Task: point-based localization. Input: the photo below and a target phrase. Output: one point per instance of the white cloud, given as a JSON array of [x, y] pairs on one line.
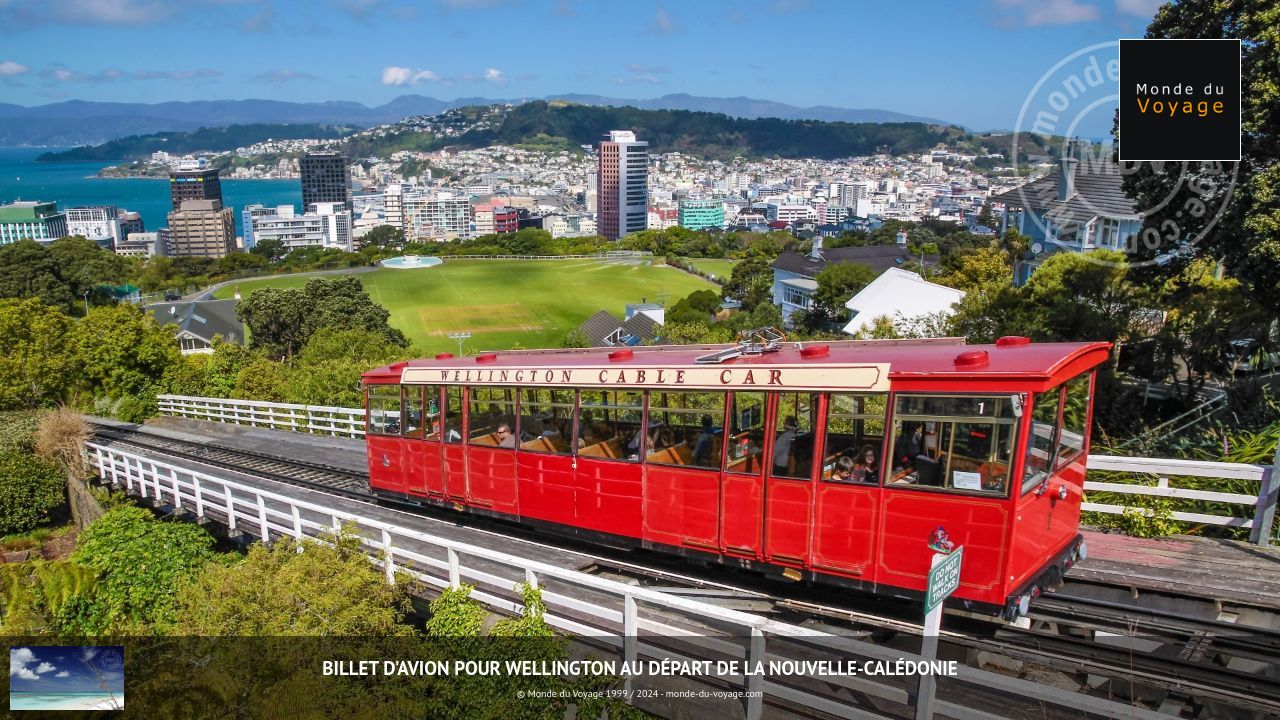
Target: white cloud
[[19, 659], [662, 22], [394, 75], [88, 653], [1140, 8], [9, 68], [1051, 12], [653, 70], [64, 673], [495, 75], [44, 667], [276, 77]]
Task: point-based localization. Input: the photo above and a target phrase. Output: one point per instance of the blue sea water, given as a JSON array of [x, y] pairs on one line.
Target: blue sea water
[[71, 184], [64, 701]]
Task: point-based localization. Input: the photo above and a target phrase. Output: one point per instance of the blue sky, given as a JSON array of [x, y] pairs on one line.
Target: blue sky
[[65, 669], [971, 61]]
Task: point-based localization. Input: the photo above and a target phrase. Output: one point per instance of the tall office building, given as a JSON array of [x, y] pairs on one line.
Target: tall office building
[[202, 228], [623, 185], [325, 179], [194, 184], [99, 223]]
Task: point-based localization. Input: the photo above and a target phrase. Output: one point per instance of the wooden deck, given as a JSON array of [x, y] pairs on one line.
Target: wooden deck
[[1194, 567]]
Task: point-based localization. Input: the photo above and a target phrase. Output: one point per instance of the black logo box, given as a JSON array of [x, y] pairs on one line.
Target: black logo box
[[1186, 69]]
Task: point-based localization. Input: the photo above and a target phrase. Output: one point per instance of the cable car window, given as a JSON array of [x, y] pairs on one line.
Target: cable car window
[[958, 443], [492, 417], [431, 409], [546, 421], [1075, 413], [412, 412], [793, 440], [609, 425], [746, 433], [384, 409], [453, 414], [1043, 440], [855, 434], [686, 428]]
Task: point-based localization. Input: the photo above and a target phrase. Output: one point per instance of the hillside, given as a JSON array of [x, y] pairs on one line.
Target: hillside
[[218, 139], [79, 122], [707, 135]]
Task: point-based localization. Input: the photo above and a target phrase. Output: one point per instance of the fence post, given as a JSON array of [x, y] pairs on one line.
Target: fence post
[[455, 572], [755, 681], [391, 563], [630, 637], [231, 507], [262, 519], [1265, 516]]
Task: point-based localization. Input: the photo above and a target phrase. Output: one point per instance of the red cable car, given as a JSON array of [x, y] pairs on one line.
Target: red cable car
[[848, 463]]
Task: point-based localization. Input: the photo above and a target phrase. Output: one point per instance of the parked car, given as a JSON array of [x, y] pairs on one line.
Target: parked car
[[1251, 356]]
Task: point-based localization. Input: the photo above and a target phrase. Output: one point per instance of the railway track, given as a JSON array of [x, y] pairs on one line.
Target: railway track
[[1190, 658]]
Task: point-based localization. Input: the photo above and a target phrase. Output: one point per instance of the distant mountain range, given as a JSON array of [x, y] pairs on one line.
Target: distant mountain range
[[80, 122]]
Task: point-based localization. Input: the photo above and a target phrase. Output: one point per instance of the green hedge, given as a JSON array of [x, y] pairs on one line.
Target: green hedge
[[30, 489]]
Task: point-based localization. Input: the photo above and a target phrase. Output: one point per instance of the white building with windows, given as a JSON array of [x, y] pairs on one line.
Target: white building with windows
[[99, 223], [145, 244], [328, 225], [436, 217]]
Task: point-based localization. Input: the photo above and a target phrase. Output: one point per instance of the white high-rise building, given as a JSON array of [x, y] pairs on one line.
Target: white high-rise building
[[436, 217], [98, 223], [623, 186], [327, 225]]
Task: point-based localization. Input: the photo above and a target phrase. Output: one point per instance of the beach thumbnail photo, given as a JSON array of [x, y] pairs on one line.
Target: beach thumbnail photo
[[66, 677]]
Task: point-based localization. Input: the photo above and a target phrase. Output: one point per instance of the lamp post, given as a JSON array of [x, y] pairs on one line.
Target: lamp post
[[460, 336]]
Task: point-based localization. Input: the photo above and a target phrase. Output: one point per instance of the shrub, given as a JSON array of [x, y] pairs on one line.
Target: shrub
[[30, 490], [135, 409], [17, 430], [60, 436], [141, 565]]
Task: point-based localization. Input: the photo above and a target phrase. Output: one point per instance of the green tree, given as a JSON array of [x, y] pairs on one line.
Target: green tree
[[1083, 296], [1246, 235], [987, 217], [262, 379], [837, 282], [987, 266], [750, 283], [575, 338], [30, 489], [30, 270], [142, 564], [282, 321], [273, 250], [124, 351], [327, 589], [383, 236], [223, 367], [85, 265], [37, 358]]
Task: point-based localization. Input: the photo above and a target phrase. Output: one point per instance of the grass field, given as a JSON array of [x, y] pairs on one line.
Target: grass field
[[504, 302], [711, 266]]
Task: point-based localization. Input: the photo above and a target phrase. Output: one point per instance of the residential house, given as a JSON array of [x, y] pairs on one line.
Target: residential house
[[605, 330], [1078, 208], [199, 322], [901, 295], [795, 275]]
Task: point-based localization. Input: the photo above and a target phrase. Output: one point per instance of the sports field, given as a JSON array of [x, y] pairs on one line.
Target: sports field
[[713, 266], [504, 302]]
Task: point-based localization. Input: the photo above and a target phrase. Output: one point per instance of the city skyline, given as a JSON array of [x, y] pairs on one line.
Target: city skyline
[[902, 58]]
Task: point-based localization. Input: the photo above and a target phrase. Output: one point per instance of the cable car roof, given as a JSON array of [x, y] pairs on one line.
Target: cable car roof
[[824, 365]]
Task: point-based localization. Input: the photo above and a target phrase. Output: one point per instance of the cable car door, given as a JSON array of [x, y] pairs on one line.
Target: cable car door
[[789, 476], [454, 453], [847, 494]]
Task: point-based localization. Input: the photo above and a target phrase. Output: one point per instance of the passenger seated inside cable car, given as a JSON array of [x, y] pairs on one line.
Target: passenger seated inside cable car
[[686, 434], [609, 425], [746, 432], [955, 443], [855, 430]]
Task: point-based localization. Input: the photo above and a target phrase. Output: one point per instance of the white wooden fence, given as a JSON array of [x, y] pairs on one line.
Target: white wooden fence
[[631, 619], [315, 419], [1161, 470], [350, 422]]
